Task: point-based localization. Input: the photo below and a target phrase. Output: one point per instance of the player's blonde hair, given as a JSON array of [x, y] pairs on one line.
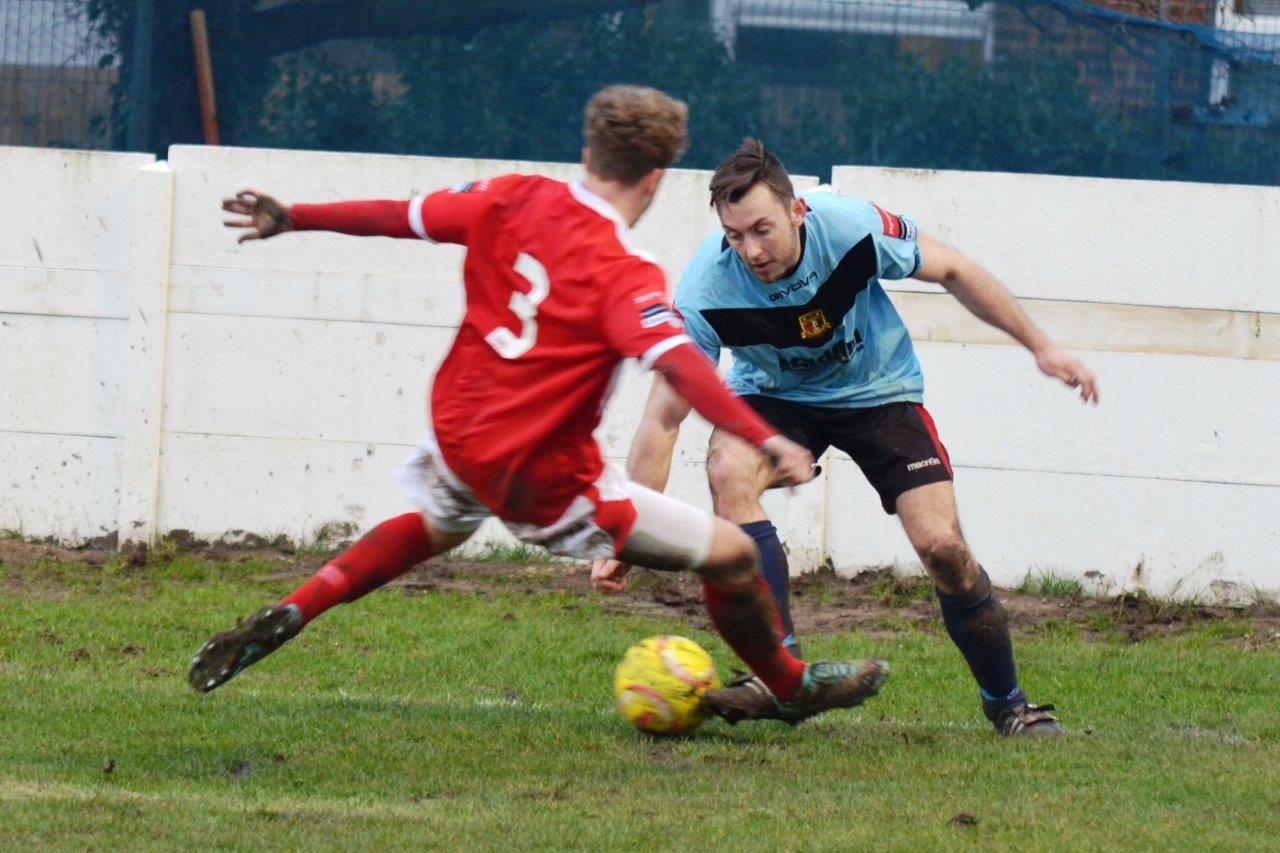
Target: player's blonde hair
[[751, 164], [632, 130]]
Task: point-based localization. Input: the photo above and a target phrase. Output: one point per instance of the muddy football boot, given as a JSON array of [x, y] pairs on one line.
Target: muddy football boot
[[1024, 720], [744, 698], [253, 638], [825, 686]]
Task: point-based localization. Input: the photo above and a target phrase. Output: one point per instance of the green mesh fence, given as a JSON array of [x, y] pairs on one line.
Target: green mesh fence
[[1165, 89]]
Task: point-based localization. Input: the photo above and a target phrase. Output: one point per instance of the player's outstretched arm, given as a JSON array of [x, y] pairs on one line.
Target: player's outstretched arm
[[649, 462], [988, 300], [440, 217]]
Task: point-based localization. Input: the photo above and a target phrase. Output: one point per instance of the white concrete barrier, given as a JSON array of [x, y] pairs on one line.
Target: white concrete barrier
[[1096, 239], [67, 255], [156, 376]]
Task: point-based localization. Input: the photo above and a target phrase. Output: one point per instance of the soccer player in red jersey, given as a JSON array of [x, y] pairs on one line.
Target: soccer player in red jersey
[[556, 298]]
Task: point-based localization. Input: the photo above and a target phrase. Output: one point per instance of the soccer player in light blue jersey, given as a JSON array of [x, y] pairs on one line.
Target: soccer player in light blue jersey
[[792, 288]]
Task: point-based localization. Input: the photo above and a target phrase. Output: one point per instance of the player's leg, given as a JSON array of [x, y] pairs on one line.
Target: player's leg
[[383, 554], [449, 515], [898, 448], [742, 607], [380, 556], [738, 475], [974, 617], [670, 535]]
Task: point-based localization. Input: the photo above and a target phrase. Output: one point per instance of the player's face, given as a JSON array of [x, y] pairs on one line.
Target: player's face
[[764, 231]]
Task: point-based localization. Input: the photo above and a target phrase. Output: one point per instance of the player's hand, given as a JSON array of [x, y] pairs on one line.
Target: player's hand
[[267, 217], [609, 576], [793, 463], [1056, 362]]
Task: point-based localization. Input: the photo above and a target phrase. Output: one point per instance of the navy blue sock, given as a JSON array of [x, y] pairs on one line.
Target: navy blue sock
[[777, 574], [979, 627]]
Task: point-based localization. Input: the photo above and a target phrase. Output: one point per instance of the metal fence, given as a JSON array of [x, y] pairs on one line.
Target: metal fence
[[1165, 89], [57, 76]]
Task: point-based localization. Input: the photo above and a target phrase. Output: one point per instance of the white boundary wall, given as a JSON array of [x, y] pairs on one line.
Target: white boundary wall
[[70, 252], [156, 376]]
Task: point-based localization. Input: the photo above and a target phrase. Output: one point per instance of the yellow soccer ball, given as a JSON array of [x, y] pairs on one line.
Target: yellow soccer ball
[[659, 681]]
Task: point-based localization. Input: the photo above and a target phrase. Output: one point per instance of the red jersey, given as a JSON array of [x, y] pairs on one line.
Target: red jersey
[[556, 299]]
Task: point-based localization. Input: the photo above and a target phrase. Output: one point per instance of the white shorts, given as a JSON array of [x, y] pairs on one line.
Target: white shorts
[[660, 532]]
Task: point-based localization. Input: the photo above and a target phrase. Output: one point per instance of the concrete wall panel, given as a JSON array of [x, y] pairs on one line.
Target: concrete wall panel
[[1096, 239], [1161, 416], [61, 375], [66, 209], [60, 486], [1171, 538], [269, 377]]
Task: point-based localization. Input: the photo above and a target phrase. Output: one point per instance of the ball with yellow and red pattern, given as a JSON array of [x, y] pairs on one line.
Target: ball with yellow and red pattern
[[659, 682]]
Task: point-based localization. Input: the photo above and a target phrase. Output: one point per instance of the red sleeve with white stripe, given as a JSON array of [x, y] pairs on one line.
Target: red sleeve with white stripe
[[442, 217], [636, 317]]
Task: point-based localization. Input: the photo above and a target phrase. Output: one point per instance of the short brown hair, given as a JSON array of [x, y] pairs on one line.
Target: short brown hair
[[632, 130], [751, 164]]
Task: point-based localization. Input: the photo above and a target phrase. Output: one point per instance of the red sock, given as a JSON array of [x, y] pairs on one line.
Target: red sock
[[383, 554], [747, 617]]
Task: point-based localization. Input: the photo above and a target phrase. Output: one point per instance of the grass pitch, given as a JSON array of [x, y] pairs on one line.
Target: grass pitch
[[478, 716]]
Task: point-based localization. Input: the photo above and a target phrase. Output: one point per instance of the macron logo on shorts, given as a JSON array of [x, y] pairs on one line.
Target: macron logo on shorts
[[925, 463]]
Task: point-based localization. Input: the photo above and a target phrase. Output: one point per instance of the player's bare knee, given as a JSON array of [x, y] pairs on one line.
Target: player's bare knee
[[731, 476], [732, 498], [729, 465], [949, 563]]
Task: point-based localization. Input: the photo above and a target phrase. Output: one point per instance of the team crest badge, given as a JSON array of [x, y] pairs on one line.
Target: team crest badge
[[814, 324]]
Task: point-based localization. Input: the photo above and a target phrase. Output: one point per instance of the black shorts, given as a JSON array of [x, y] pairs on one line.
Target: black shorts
[[896, 445]]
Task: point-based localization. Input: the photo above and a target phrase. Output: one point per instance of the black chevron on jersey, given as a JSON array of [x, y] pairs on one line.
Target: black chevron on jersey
[[791, 326]]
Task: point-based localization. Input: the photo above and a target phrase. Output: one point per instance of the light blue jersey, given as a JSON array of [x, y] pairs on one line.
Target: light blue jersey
[[826, 335]]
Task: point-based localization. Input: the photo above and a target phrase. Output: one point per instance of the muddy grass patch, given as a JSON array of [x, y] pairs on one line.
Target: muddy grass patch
[[875, 600]]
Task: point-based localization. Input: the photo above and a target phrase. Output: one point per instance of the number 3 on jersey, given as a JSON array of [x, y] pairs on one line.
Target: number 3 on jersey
[[524, 306]]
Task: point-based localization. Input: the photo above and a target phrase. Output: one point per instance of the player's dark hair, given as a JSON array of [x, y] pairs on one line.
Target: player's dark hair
[[751, 164], [632, 130]]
